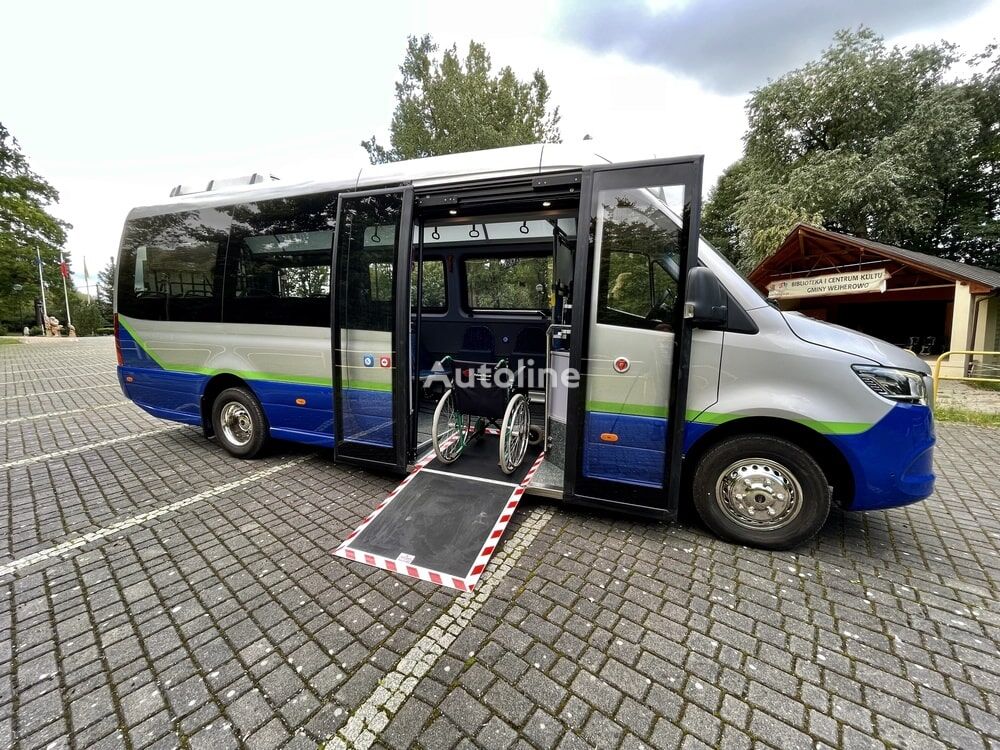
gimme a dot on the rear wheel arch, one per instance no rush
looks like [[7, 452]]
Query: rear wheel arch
[[216, 385], [818, 446]]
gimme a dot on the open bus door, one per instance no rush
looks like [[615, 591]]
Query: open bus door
[[371, 320], [630, 340]]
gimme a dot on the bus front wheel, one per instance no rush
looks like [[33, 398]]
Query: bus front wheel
[[762, 491], [239, 422]]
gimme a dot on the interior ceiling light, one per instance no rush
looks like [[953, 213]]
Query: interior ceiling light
[[546, 204], [453, 211]]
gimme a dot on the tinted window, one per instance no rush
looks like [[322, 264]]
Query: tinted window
[[637, 286], [520, 283], [278, 263], [171, 266], [366, 254], [435, 292]]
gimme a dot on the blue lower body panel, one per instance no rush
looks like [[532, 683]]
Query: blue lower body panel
[[368, 416], [164, 393], [168, 394], [637, 457], [893, 461], [311, 422]]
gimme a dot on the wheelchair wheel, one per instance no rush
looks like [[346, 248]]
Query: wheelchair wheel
[[450, 432], [514, 434]]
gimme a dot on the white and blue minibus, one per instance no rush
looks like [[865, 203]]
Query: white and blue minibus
[[324, 312]]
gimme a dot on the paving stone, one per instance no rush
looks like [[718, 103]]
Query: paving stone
[[883, 629]]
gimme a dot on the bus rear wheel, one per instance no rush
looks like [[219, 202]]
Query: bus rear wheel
[[761, 491], [239, 422]]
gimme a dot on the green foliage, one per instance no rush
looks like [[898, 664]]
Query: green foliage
[[875, 142], [26, 227], [86, 314], [434, 283], [106, 290], [453, 105], [965, 416], [509, 283]]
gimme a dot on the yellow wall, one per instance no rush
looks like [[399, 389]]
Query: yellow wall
[[969, 333], [961, 330]]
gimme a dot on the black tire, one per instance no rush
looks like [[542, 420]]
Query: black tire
[[244, 417], [744, 488]]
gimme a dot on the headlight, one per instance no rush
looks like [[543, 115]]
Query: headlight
[[898, 385]]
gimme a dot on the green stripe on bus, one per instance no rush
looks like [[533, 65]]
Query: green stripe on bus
[[272, 377], [633, 410], [367, 385], [140, 343], [717, 418]]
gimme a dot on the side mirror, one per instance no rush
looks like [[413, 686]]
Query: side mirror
[[707, 304]]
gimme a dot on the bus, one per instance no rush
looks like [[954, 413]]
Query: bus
[[321, 313]]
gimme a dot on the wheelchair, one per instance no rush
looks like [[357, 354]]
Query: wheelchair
[[474, 401]]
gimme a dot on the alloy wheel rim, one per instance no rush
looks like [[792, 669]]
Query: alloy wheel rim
[[237, 425]]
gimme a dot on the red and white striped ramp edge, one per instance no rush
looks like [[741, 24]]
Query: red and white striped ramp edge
[[425, 574]]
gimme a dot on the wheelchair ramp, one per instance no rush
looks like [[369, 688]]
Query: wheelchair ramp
[[443, 522]]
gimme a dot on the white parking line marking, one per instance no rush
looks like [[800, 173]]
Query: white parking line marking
[[88, 446], [75, 363], [55, 377], [62, 413], [364, 725], [139, 519], [68, 390]]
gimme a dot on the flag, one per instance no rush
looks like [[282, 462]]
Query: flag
[[86, 274], [63, 267]]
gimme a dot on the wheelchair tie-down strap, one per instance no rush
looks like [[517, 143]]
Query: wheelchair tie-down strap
[[438, 525]]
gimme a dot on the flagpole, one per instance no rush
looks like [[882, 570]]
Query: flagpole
[[41, 286], [65, 272]]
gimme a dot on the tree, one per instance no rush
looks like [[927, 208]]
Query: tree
[[87, 318], [106, 290], [718, 219], [26, 228], [871, 141], [451, 105]]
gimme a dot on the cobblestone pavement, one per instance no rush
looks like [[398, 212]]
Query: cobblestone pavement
[[156, 593], [957, 395]]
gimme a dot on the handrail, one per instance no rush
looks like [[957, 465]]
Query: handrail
[[938, 376]]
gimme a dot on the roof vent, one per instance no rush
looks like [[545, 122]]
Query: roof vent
[[254, 179]]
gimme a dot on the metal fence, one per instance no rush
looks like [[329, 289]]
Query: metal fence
[[986, 369]]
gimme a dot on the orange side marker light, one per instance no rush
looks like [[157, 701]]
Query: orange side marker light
[[300, 401], [609, 437]]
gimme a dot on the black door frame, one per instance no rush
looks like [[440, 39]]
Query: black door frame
[[577, 489], [392, 458]]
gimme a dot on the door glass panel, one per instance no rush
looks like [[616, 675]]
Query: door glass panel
[[366, 313], [627, 370]]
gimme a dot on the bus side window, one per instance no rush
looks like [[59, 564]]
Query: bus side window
[[435, 298], [278, 261], [171, 266]]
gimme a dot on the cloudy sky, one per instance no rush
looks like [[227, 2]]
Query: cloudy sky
[[114, 103]]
